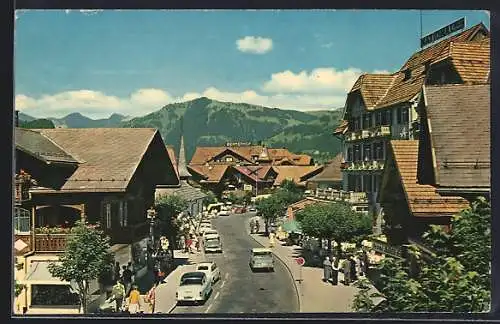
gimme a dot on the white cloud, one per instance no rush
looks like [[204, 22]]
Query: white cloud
[[320, 80], [254, 45], [327, 45]]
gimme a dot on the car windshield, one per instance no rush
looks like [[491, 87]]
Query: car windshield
[[191, 281], [203, 268]]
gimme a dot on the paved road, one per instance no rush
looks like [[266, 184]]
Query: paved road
[[241, 290]]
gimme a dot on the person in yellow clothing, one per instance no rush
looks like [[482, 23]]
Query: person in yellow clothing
[[271, 240], [133, 303]]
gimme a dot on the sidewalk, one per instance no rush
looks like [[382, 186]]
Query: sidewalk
[[314, 294], [165, 293]]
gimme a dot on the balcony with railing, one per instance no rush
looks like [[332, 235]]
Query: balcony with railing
[[370, 165], [54, 239], [367, 133], [341, 195]]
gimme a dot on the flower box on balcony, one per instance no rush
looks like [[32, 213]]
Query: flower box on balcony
[[385, 130], [365, 134]]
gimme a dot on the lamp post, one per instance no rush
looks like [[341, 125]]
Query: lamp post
[[151, 215]]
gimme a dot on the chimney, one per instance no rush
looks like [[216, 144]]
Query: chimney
[[16, 119]]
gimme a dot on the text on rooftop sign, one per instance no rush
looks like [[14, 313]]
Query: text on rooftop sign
[[446, 30]]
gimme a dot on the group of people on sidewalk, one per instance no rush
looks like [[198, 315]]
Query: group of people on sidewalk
[[125, 293], [353, 267]]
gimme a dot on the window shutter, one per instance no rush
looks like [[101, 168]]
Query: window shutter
[[125, 213]]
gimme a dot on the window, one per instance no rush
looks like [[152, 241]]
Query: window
[[229, 159], [388, 117], [402, 115], [398, 114], [60, 295], [367, 152], [367, 183], [378, 118], [107, 215], [357, 153], [356, 124], [22, 220], [368, 120], [123, 213], [349, 154]]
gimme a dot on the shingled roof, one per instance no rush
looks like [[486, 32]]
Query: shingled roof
[[471, 59], [254, 173], [331, 171], [203, 155], [459, 121], [423, 200], [41, 147], [210, 173], [185, 191], [110, 155], [299, 174]]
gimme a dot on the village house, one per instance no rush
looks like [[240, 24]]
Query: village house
[[104, 176], [430, 180], [254, 168], [382, 107], [330, 177]]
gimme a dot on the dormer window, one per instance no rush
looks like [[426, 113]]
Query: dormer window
[[407, 74]]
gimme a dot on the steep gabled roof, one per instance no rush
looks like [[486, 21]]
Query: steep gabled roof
[[471, 59], [331, 171], [458, 117], [171, 155], [182, 165], [41, 147], [423, 200], [210, 173], [254, 173], [299, 174], [111, 155]]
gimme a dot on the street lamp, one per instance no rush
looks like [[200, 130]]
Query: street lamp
[[151, 215]]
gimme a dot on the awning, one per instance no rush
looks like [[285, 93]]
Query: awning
[[291, 226], [39, 273]]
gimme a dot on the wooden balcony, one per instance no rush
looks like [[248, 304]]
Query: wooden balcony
[[384, 248], [340, 195], [56, 242]]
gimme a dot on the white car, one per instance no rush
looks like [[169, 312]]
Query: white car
[[224, 213], [212, 243], [210, 269], [210, 231], [204, 227], [194, 287]]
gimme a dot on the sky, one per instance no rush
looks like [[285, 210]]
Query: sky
[[133, 62]]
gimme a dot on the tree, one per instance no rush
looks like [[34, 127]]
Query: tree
[[85, 258], [456, 278], [269, 208], [168, 207], [210, 199], [37, 123], [334, 221]]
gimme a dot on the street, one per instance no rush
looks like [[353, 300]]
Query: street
[[240, 290]]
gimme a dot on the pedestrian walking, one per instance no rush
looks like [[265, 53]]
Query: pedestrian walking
[[271, 240], [116, 272], [357, 260], [327, 269], [354, 276], [118, 295], [127, 278], [150, 298], [346, 266], [365, 263], [134, 300], [335, 270]]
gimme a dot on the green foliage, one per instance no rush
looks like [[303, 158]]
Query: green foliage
[[85, 259], [168, 207], [210, 199], [335, 221], [363, 301], [37, 123], [457, 276]]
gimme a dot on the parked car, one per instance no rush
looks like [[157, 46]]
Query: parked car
[[210, 269], [194, 287], [212, 243], [251, 209], [261, 258], [209, 232], [224, 213], [204, 227]]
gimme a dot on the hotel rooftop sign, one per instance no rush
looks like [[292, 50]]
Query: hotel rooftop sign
[[445, 31]]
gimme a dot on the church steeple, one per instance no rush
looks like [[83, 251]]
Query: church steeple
[[181, 163]]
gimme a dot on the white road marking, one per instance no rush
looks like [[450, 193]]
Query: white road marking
[[227, 275], [222, 284], [216, 295], [208, 308]]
